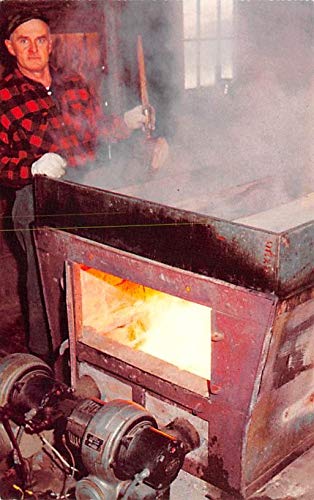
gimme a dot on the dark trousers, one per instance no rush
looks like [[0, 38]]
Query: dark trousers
[[23, 216]]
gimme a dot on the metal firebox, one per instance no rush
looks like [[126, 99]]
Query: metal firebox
[[254, 411]]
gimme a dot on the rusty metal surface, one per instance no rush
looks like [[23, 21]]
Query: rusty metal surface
[[242, 316], [282, 424], [235, 253], [239, 254], [296, 257], [262, 361], [263, 376]]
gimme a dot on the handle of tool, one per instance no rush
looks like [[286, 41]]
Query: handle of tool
[[143, 85]]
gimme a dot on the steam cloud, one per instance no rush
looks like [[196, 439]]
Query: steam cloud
[[235, 149]]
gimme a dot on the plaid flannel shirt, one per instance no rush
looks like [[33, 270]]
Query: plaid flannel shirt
[[65, 119]]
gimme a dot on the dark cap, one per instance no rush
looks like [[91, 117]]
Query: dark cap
[[23, 16]]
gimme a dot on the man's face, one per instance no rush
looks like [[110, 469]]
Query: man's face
[[31, 44]]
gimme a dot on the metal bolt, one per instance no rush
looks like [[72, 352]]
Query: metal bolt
[[217, 336], [197, 409], [214, 389]]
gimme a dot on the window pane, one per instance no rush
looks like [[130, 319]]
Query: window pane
[[189, 18], [226, 59], [208, 61], [208, 21], [190, 63], [226, 7]]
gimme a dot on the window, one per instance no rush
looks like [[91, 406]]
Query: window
[[208, 37]]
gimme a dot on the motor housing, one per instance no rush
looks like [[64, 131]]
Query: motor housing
[[119, 450]]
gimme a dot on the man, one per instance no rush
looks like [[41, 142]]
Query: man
[[49, 121]]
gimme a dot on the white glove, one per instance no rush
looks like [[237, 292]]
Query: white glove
[[137, 118], [50, 164]]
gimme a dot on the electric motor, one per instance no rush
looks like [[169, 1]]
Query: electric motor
[[119, 449], [120, 439]]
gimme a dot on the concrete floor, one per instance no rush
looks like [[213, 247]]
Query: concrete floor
[[295, 482]]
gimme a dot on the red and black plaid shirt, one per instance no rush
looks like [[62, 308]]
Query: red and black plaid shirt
[[67, 122]]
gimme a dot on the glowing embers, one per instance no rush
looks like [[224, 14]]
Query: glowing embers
[[166, 327]]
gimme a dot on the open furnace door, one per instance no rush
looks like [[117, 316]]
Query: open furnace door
[[163, 334]]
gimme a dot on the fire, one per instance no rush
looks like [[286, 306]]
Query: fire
[[164, 326]]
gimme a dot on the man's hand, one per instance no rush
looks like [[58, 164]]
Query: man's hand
[[137, 118], [50, 164]]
